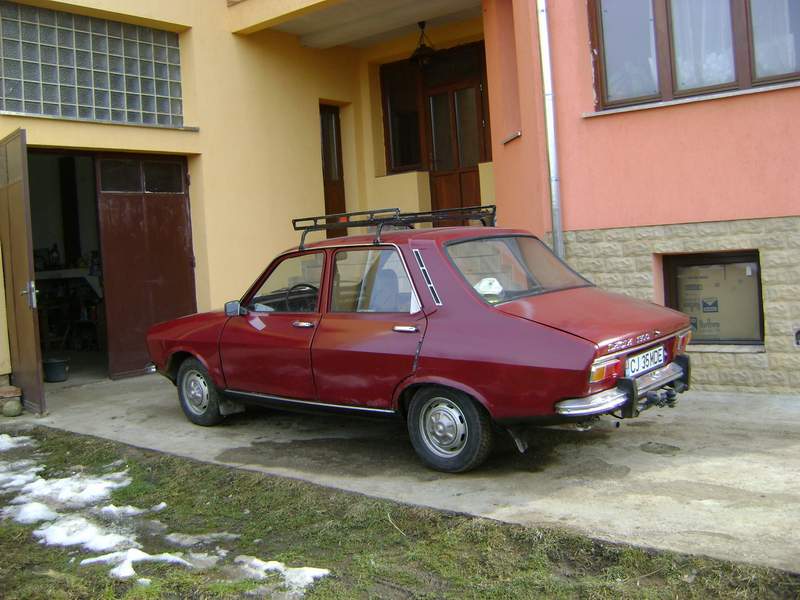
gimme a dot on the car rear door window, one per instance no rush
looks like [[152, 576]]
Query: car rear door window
[[372, 280], [292, 286]]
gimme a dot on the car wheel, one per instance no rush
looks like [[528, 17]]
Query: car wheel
[[449, 431], [198, 394]]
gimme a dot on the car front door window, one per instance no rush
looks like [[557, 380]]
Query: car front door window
[[292, 286]]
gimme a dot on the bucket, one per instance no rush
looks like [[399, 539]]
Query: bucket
[[55, 369]]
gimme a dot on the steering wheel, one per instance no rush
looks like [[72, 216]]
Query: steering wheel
[[298, 286]]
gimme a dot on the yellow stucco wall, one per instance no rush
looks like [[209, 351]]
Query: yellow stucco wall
[[251, 110]]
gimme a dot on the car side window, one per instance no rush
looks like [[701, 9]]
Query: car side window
[[371, 280], [293, 286]]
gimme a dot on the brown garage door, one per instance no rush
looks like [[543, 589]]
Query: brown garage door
[[146, 248]]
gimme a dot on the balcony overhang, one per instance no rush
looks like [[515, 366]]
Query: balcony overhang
[[356, 23]]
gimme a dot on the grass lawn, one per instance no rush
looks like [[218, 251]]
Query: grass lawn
[[373, 548]]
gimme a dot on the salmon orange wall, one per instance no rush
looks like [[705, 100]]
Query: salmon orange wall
[[720, 159]]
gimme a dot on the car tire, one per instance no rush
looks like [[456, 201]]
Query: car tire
[[449, 430], [197, 393]]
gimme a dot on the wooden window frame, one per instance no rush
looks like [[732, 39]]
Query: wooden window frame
[[743, 53], [671, 263], [422, 93]]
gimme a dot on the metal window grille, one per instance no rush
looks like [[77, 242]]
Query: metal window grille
[[69, 66]]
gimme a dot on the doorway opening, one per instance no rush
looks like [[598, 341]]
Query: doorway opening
[[332, 169], [68, 265]]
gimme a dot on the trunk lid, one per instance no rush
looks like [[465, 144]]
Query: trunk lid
[[612, 321]]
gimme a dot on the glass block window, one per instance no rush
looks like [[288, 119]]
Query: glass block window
[[75, 67]]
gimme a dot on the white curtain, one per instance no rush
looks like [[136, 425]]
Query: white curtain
[[629, 47], [776, 25], [703, 41]]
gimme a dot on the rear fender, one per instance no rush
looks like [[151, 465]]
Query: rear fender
[[408, 387]]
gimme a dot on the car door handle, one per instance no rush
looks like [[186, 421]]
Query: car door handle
[[302, 324], [405, 329]]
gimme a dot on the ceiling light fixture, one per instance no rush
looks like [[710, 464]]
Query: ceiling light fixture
[[424, 52]]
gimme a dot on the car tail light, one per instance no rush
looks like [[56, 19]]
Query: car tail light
[[681, 342], [604, 373]]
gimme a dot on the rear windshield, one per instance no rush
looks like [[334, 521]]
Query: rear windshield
[[504, 268]]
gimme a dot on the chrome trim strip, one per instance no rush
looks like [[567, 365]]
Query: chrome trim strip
[[387, 411], [437, 300], [658, 377], [599, 403], [633, 349]]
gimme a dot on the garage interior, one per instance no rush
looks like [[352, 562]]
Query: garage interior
[[68, 264]]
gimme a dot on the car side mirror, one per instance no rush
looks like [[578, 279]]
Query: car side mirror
[[233, 308]]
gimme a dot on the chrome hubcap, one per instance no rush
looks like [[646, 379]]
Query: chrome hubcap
[[195, 391], [443, 427]]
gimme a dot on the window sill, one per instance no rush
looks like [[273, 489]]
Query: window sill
[[693, 99], [727, 348], [8, 113]]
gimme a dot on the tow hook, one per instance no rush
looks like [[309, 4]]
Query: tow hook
[[660, 398]]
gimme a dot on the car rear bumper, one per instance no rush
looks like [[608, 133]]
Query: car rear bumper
[[633, 395]]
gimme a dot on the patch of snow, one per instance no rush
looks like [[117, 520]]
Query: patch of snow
[[8, 442], [144, 581], [115, 464], [187, 540], [158, 507], [203, 560], [117, 512], [14, 475], [75, 491], [125, 559], [32, 512], [296, 579], [74, 530]]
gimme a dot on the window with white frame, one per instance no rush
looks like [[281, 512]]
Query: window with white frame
[[655, 50], [70, 66]]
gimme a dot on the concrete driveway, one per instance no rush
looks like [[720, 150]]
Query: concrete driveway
[[718, 475]]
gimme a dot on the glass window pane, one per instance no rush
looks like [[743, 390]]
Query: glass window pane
[[702, 38], [163, 177], [776, 37], [400, 103], [500, 269], [468, 127], [441, 130], [722, 301], [120, 176], [371, 281], [629, 49], [292, 286], [330, 148]]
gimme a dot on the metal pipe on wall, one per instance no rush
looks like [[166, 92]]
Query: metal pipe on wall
[[550, 129]]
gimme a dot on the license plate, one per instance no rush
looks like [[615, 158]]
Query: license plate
[[639, 363]]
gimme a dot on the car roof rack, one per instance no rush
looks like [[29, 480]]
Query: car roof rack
[[382, 217]]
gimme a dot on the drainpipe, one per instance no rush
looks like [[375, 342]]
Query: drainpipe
[[550, 129]]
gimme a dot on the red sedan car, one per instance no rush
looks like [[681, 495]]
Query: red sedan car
[[457, 330]]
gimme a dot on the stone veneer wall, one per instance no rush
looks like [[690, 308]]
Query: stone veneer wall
[[623, 260]]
